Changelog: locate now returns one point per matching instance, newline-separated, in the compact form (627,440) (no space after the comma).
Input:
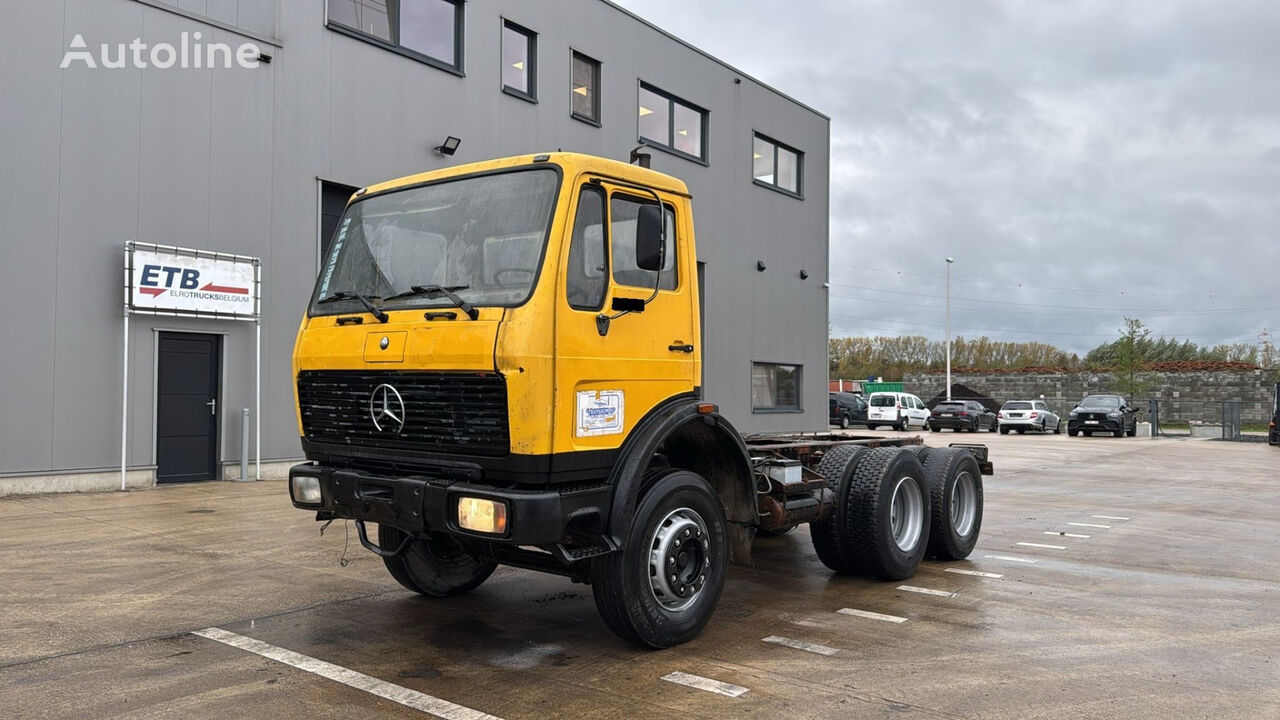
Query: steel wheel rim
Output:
(906,514)
(679,559)
(964,504)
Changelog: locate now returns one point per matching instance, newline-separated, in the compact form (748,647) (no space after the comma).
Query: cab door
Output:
(613,366)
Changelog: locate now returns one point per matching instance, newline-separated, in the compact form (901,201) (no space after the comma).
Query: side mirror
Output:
(650,245)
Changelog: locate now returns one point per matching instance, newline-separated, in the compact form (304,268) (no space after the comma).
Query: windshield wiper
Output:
(441,291)
(365,300)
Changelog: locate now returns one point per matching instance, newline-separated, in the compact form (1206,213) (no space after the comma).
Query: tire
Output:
(435,566)
(1119,433)
(1004,431)
(972,429)
(1071,432)
(1022,431)
(844,421)
(872,427)
(994,426)
(837,467)
(1087,433)
(955,497)
(1132,432)
(647,608)
(934,428)
(1057,429)
(903,424)
(882,516)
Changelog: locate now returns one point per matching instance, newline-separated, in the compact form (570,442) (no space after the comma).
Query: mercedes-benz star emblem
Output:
(385,342)
(386,408)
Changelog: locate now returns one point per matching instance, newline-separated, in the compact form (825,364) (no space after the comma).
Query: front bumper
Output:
(1111,426)
(421,504)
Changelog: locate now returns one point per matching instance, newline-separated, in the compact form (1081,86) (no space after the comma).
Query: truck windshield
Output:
(480,237)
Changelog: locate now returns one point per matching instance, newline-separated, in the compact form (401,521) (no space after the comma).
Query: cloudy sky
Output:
(1082,160)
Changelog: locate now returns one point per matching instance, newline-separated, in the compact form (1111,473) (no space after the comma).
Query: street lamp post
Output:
(949,261)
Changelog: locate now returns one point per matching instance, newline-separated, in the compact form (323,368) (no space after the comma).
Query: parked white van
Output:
(901,410)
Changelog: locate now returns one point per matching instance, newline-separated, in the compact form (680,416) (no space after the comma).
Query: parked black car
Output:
(847,409)
(1103,413)
(966,415)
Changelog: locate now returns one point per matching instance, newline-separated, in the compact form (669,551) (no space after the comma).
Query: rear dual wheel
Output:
(955,498)
(880,523)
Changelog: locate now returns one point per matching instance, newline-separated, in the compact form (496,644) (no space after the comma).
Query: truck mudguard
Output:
(703,443)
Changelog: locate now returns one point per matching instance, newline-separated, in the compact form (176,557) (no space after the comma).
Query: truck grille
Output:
(443,412)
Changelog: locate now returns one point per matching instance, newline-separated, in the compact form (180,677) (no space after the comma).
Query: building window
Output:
(671,123)
(775,387)
(429,30)
(586,88)
(776,166)
(519,61)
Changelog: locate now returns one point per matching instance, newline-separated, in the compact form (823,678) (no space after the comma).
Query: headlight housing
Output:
(1114,414)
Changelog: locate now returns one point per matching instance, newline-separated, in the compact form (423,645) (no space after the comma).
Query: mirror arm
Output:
(602,320)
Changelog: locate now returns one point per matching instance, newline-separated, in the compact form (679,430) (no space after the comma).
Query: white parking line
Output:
(1092,525)
(1066,534)
(871,615)
(1051,547)
(926,591)
(974,573)
(360,681)
(801,645)
(700,683)
(1010,558)
(1110,517)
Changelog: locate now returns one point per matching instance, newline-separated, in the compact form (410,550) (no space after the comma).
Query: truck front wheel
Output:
(662,587)
(438,565)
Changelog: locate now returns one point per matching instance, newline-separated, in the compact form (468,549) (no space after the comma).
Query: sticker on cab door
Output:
(599,412)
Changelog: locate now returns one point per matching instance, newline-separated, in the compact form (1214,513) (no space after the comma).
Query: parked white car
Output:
(1023,415)
(901,410)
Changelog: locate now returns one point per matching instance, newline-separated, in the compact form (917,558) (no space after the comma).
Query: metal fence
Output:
(1216,419)
(1234,419)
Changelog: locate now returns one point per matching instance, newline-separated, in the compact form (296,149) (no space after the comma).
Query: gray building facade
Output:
(237,125)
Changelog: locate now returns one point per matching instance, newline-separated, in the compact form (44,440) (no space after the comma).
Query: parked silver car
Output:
(1024,415)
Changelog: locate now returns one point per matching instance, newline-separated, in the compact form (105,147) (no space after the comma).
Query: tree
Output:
(1128,359)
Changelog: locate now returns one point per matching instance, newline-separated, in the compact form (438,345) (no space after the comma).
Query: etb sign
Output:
(191,282)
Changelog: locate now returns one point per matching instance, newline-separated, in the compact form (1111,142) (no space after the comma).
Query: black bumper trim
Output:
(421,504)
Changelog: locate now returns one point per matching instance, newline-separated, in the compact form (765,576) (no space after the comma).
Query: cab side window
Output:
(623,211)
(588,261)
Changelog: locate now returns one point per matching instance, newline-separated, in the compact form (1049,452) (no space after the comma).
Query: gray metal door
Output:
(187,407)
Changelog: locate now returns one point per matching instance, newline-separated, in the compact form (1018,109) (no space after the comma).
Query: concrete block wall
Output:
(1183,396)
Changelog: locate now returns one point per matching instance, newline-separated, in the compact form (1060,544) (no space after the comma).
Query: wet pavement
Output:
(1115,578)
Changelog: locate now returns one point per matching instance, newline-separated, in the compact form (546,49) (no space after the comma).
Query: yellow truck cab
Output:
(501,363)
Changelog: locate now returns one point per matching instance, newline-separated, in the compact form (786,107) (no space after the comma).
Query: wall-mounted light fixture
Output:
(760,266)
(644,159)
(449,146)
(804,274)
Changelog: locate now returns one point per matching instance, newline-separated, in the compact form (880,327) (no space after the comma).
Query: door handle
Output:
(213,406)
(679,346)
